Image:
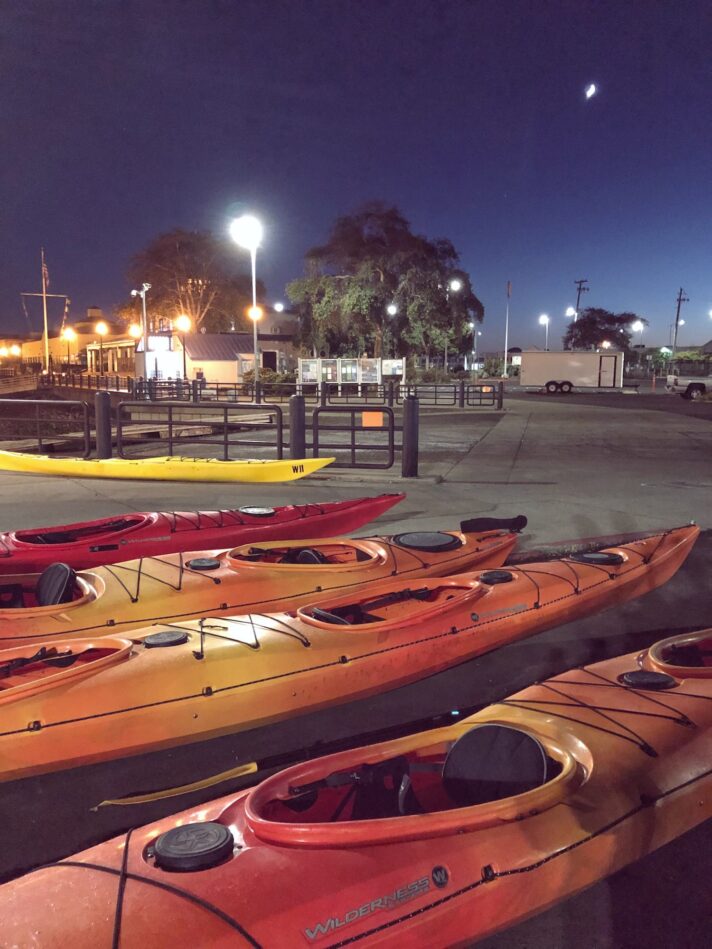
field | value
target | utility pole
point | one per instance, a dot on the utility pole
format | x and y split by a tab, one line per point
581	287
506	327
681	298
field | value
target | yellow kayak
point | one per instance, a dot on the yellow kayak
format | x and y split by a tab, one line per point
165	468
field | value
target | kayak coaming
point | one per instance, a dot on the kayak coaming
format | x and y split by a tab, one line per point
154	533
444	889
166	468
236	673
130	595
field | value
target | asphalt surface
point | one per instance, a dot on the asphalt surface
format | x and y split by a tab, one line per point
575	470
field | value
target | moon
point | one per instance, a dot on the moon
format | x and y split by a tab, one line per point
591	90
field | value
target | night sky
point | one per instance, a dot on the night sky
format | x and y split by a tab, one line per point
120	120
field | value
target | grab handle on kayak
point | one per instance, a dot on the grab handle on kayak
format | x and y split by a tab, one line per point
477	524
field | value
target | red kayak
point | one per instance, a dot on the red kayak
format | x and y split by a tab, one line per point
130	536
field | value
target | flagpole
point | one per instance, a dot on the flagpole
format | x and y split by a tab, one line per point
506	329
44	311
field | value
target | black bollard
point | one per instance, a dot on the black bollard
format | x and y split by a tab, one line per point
297	427
409	454
102	413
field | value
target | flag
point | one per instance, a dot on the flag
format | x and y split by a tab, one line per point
509	289
45	274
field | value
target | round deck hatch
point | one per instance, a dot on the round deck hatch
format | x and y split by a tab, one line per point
257	511
193	847
203	563
496	576
598	557
430	541
169	637
644	679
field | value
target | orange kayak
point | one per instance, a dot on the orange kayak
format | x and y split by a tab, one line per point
75	702
124	596
437	839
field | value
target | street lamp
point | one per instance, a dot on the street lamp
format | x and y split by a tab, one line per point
544	321
391	309
16	350
183	324
279	308
70	334
638	327
456	285
246	231
101	329
135	331
672	337
606	344
570	311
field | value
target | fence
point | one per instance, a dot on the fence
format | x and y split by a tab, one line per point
43	424
459	394
371	421
177	424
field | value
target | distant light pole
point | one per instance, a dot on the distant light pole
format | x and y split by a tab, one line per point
69	334
247	232
101	329
581	287
279	308
183	324
638	327
144	318
672	331
475	334
544	321
681	298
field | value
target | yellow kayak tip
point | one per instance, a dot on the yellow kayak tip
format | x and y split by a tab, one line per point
165	468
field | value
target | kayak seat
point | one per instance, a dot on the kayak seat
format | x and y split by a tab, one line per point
310	556
492	762
325	616
55	585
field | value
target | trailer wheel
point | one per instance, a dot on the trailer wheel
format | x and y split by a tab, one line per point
552	387
565	387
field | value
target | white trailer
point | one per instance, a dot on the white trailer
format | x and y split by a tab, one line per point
564	371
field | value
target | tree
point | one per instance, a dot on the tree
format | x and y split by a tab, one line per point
596	326
195	273
376	286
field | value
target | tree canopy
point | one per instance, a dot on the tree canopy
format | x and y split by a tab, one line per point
195	273
595	326
377	287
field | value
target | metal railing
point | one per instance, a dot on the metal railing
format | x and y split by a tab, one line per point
44	422
184	423
375	424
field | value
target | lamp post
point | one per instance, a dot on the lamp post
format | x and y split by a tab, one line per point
247	232
69	334
544	321
101	329
183	324
279	308
144	319
475	334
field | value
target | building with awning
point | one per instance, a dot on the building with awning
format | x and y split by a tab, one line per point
216	357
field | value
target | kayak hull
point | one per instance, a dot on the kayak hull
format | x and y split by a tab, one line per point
221	676
111	539
442	875
168	468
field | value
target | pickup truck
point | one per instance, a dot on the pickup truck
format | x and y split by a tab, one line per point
689	387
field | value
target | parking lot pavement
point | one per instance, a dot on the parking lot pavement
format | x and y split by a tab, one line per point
574	470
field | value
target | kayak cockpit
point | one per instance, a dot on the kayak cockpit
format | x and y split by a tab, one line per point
332	554
77	533
476	778
32	669
57	585
396	605
689	655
